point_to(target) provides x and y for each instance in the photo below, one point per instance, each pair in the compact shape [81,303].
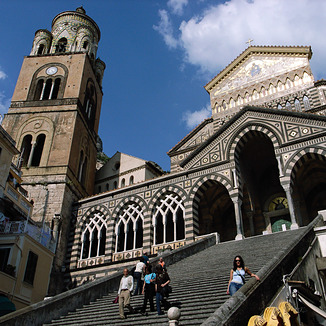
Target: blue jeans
[234,287]
[137,277]
[159,298]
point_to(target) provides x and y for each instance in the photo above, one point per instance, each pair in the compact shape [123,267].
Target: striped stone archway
[299,158]
[196,193]
[238,141]
[160,194]
[305,207]
[77,243]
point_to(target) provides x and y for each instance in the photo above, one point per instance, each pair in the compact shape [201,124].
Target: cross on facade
[249,41]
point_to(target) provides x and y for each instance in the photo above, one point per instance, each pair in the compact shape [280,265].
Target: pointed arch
[306,103]
[297,105]
[129,227]
[273,135]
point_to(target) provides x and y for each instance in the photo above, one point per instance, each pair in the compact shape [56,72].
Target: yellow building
[26,251]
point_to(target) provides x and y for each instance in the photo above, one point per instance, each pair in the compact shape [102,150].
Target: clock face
[51,70]
[278,203]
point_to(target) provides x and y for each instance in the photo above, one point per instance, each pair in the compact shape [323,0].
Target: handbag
[166,290]
[116,300]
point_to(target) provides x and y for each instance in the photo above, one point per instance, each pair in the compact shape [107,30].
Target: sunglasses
[237,260]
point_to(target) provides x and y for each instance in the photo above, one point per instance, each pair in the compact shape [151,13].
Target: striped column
[148,232]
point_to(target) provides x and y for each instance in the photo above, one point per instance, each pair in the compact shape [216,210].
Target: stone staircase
[199,284]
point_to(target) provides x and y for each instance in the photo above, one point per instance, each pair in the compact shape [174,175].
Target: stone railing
[217,235]
[251,298]
[19,199]
[61,304]
[40,235]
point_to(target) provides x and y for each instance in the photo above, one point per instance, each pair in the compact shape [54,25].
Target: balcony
[44,237]
[18,198]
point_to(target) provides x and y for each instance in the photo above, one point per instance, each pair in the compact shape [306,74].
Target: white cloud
[4,103]
[166,30]
[218,35]
[2,74]
[177,6]
[192,119]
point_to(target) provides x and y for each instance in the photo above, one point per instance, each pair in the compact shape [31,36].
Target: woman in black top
[161,288]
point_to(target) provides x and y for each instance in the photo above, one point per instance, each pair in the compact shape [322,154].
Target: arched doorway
[309,186]
[216,211]
[259,176]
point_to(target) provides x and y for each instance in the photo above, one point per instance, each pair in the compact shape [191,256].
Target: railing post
[174,315]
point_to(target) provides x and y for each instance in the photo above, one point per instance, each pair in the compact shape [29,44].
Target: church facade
[256,166]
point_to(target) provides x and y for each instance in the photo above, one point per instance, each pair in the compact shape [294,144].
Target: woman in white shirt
[237,275]
[140,268]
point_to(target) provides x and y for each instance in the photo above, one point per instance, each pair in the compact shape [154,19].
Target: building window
[40,49]
[107,187]
[31,151]
[99,189]
[61,45]
[306,103]
[90,102]
[85,45]
[288,105]
[115,185]
[25,150]
[123,182]
[38,150]
[297,105]
[94,237]
[131,180]
[279,106]
[4,257]
[129,228]
[168,220]
[30,268]
[47,89]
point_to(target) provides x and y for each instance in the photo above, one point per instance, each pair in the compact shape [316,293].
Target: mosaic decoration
[297,131]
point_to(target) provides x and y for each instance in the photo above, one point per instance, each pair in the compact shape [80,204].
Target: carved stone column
[287,189]
[29,163]
[238,218]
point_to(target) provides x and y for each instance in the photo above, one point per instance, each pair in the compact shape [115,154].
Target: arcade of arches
[263,204]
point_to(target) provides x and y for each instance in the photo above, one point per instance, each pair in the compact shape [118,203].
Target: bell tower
[54,118]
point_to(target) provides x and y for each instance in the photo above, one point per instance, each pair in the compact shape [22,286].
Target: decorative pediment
[258,63]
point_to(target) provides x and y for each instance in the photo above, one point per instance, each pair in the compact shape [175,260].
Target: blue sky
[159,55]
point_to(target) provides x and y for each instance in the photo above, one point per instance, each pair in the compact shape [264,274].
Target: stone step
[199,284]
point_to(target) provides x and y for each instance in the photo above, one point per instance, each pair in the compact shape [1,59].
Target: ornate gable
[282,127]
[257,63]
